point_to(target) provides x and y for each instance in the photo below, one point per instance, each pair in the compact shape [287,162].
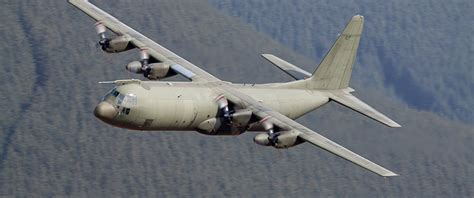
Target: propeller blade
[100,28]
[268,126]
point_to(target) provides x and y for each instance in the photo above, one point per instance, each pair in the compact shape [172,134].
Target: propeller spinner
[224,108]
[271,137]
[145,60]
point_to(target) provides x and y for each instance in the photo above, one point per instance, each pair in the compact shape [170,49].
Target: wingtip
[358,17]
[395,125]
[391,174]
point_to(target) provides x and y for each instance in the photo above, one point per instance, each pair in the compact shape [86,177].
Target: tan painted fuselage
[184,106]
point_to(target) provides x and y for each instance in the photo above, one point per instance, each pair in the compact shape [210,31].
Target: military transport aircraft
[215,107]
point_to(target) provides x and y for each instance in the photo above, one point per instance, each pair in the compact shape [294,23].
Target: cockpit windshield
[120,99]
[128,100]
[112,92]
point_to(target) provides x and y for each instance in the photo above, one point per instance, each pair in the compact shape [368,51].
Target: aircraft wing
[304,133]
[318,140]
[158,52]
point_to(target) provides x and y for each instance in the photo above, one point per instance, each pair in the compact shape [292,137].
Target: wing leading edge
[141,42]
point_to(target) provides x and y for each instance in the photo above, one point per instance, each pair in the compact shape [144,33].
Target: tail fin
[334,72]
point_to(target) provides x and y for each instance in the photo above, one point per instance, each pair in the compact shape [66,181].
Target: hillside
[51,144]
[420,51]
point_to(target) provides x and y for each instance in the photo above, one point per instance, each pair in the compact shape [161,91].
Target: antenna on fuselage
[122,82]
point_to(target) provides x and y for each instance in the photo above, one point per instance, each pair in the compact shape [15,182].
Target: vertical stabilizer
[334,71]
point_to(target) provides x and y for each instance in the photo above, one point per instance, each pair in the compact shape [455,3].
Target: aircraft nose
[105,111]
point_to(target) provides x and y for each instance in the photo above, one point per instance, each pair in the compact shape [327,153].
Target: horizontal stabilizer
[343,97]
[292,70]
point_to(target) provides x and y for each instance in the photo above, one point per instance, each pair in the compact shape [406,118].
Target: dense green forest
[420,50]
[52,145]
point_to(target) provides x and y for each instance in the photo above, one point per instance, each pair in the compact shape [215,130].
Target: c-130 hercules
[215,107]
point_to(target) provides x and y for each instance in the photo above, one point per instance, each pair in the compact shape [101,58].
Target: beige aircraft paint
[214,107]
[184,106]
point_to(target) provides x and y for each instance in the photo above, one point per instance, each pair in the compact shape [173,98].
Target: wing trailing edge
[336,149]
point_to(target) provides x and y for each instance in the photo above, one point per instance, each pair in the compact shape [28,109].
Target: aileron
[344,153]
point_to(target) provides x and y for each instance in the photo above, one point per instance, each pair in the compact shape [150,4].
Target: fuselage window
[115,93]
[120,98]
[126,111]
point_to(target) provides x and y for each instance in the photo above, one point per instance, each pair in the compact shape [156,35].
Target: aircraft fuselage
[183,106]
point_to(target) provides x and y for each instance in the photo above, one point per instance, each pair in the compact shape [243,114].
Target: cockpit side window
[120,99]
[115,93]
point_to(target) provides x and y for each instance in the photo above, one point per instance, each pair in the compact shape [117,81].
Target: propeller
[145,59]
[104,41]
[94,48]
[268,126]
[224,108]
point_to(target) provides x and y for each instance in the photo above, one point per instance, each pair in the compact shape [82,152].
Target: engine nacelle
[221,126]
[285,139]
[118,44]
[134,67]
[160,71]
[156,70]
[262,139]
